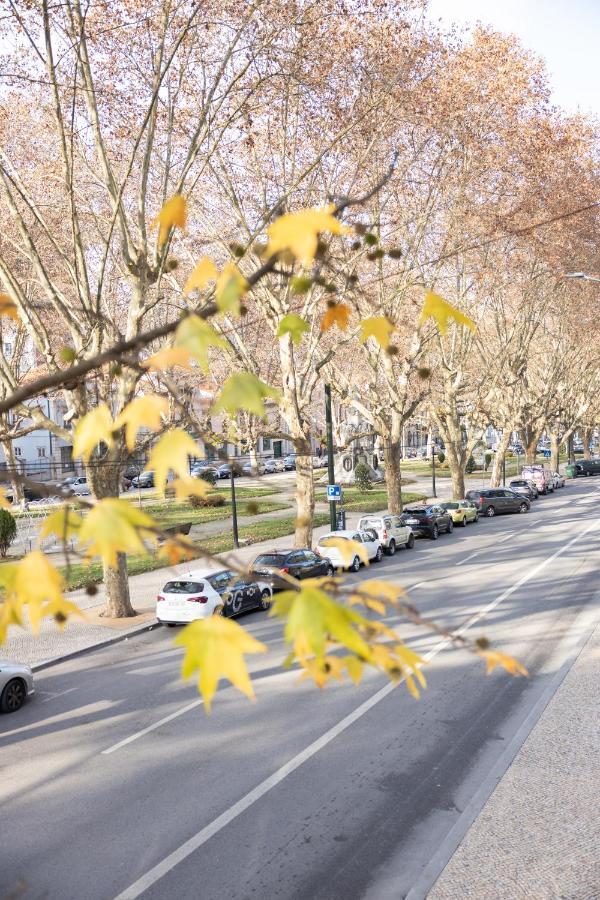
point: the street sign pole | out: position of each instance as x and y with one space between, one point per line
433 490
236 541
330 472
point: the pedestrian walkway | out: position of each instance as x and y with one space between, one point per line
538 835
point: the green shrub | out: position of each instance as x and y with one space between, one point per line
362 477
205 502
470 467
441 456
8 531
488 458
208 476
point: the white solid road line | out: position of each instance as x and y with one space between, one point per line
139 734
205 834
485 549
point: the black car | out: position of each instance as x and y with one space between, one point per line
298 563
428 520
289 463
493 501
239 593
225 470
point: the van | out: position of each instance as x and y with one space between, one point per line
541 476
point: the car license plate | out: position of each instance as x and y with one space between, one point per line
412 522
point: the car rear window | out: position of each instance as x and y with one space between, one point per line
182 587
269 559
449 505
417 512
370 522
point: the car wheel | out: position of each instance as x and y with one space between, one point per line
379 554
265 600
490 512
464 522
391 547
170 624
435 533
450 527
410 542
355 564
13 696
329 571
523 508
477 516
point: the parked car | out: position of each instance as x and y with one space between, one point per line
533 487
493 501
428 520
586 467
391 531
143 480
462 511
526 488
201 594
541 476
289 462
297 563
16 685
224 471
200 471
559 480
327 549
254 469
273 465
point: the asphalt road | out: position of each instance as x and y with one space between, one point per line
114 782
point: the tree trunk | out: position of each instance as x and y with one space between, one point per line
11 464
392 456
587 440
103 478
253 453
305 495
457 474
497 466
554 451
531 445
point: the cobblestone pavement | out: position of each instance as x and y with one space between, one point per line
538 836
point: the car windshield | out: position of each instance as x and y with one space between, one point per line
370 523
449 505
182 587
329 540
269 559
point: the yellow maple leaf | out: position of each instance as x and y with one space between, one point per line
10 614
4 501
378 327
378 589
168 357
245 391
494 658
204 271
171 453
187 487
146 411
230 288
196 335
115 526
299 232
215 648
60 609
172 215
177 550
435 307
8 307
35 582
92 429
337 314
63 522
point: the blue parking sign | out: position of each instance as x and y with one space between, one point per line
334 492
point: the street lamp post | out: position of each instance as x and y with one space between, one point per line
433 491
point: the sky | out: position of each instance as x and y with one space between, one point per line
566 33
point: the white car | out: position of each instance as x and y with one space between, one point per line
559 480
328 551
16 685
273 464
390 530
251 469
200 594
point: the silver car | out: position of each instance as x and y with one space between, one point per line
16 685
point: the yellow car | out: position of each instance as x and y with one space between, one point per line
462 511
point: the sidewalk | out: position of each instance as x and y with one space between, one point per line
538 835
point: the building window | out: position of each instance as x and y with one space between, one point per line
41 452
17 451
7 348
266 443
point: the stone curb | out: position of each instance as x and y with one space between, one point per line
56 660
